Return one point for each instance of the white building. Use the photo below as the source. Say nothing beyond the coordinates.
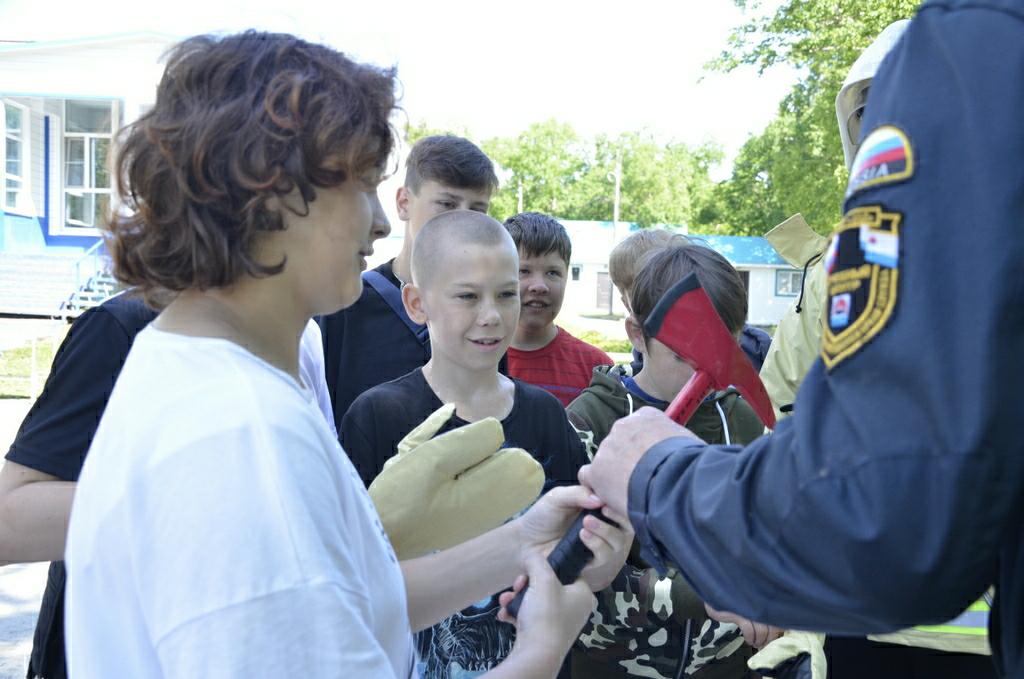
(61, 104)
(772, 284)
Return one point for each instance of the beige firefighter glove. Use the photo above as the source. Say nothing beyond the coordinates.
(438, 492)
(788, 648)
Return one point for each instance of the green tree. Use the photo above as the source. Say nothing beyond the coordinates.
(557, 171)
(661, 183)
(796, 163)
(545, 163)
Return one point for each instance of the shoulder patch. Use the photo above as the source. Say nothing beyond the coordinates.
(863, 271)
(885, 157)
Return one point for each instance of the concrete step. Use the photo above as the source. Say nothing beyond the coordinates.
(35, 284)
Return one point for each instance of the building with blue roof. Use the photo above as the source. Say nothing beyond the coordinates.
(772, 284)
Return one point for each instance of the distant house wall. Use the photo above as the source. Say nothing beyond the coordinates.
(593, 241)
(765, 305)
(41, 78)
(769, 295)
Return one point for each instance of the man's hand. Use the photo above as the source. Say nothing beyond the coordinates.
(608, 475)
(756, 634)
(545, 523)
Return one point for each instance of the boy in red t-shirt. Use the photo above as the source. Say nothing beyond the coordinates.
(542, 353)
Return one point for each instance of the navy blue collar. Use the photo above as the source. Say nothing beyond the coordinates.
(632, 387)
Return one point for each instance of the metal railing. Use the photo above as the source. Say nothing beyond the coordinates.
(93, 284)
(96, 263)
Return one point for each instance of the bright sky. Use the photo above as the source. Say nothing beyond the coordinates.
(491, 67)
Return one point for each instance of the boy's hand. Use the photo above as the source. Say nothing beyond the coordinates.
(551, 615)
(438, 492)
(545, 523)
(757, 634)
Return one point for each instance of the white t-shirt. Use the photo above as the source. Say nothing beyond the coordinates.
(218, 530)
(312, 372)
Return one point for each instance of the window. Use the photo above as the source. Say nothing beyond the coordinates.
(575, 273)
(788, 283)
(88, 131)
(16, 158)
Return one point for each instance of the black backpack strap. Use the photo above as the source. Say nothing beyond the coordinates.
(392, 296)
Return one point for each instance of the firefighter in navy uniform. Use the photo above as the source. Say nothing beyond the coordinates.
(895, 494)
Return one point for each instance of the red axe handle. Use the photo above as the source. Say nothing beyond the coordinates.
(685, 404)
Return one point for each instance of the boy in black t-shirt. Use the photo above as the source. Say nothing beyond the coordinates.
(465, 288)
(46, 456)
(374, 340)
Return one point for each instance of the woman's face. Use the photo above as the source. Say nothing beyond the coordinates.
(328, 247)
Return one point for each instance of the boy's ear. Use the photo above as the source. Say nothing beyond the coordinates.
(636, 335)
(402, 198)
(412, 298)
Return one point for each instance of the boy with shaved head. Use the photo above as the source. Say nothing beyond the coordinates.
(465, 289)
(375, 340)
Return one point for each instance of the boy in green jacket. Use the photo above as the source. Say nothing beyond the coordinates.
(642, 623)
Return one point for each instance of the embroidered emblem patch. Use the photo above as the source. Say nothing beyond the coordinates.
(862, 281)
(839, 314)
(884, 157)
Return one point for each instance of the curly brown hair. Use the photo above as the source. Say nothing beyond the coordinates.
(239, 120)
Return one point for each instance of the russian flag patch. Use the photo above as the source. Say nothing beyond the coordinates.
(885, 156)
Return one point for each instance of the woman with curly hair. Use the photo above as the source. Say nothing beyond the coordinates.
(218, 529)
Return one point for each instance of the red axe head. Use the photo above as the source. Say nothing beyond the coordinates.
(685, 321)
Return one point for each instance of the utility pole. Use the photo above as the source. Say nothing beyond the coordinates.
(519, 203)
(618, 188)
(616, 176)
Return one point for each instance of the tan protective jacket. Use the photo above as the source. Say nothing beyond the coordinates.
(797, 339)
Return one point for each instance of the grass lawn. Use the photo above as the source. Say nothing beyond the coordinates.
(606, 344)
(16, 367)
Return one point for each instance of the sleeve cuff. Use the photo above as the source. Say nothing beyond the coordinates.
(640, 483)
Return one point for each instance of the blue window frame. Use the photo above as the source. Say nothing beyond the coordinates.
(788, 282)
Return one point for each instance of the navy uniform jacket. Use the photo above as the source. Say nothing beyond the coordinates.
(895, 495)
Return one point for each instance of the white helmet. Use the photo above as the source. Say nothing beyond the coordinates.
(854, 93)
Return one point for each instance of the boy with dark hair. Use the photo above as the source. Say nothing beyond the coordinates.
(374, 340)
(465, 289)
(541, 352)
(620, 641)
